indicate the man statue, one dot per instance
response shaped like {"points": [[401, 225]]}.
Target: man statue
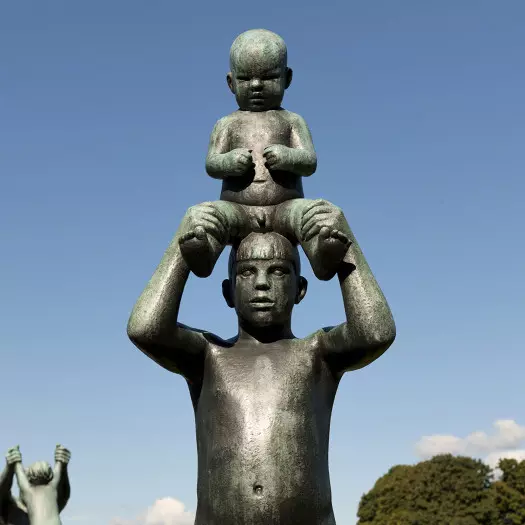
{"points": [[263, 399], [44, 491]]}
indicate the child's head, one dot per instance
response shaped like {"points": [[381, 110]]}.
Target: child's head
{"points": [[264, 280], [259, 74], [39, 473]]}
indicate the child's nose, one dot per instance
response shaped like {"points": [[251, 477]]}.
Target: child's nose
{"points": [[256, 83]]}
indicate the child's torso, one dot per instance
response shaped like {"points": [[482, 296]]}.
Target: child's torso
{"points": [[43, 507], [256, 131]]}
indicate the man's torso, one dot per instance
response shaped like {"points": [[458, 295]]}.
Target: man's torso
{"points": [[263, 420]]}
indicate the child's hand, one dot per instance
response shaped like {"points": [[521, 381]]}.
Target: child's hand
{"points": [[241, 161], [277, 157], [13, 456], [62, 454]]}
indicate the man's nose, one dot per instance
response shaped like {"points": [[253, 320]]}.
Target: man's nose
{"points": [[256, 83], [262, 282]]}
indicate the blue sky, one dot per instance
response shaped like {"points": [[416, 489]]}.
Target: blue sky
{"points": [[417, 114]]}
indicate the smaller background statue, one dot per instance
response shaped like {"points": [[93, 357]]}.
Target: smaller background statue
{"points": [[44, 491]]}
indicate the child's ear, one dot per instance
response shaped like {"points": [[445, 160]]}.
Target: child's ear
{"points": [[302, 286], [229, 80], [227, 292], [289, 75]]}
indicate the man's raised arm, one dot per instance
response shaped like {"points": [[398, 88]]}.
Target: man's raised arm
{"points": [[153, 326], [369, 329]]}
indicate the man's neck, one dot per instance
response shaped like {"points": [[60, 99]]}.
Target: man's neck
{"points": [[266, 334]]}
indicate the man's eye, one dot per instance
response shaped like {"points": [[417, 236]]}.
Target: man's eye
{"points": [[279, 272], [246, 273]]}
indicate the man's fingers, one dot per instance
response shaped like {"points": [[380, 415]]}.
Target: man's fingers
{"points": [[212, 229], [319, 209], [315, 219]]}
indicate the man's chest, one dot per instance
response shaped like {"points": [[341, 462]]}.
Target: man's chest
{"points": [[274, 377]]}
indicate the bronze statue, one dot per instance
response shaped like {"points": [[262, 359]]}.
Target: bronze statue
{"points": [[44, 491], [262, 399]]}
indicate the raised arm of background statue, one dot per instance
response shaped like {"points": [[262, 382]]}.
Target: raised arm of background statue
{"points": [[369, 329], [153, 325], [61, 476], [6, 483]]}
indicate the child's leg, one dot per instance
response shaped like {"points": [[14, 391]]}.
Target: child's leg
{"points": [[207, 228], [321, 229]]}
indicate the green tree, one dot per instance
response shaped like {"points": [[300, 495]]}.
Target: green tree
{"points": [[443, 490], [509, 493]]}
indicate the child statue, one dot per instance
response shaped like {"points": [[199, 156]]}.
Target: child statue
{"points": [[44, 491], [261, 152]]}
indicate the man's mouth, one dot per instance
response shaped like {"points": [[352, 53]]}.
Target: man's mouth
{"points": [[262, 303]]}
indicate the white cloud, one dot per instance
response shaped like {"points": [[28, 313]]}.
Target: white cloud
{"points": [[165, 511], [505, 442]]}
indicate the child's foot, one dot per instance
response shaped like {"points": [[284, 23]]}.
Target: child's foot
{"points": [[199, 252], [329, 249]]}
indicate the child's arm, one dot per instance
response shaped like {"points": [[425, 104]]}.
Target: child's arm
{"points": [[153, 325], [61, 476], [369, 329], [300, 157], [221, 162], [21, 478]]}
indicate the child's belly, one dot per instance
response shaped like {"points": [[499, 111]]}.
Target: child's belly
{"points": [[261, 187]]}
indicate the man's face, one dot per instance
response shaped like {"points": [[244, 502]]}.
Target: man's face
{"points": [[265, 291], [258, 81]]}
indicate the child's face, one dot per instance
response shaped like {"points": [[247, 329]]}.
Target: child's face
{"points": [[258, 81]]}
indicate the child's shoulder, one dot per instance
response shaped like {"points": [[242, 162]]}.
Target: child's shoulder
{"points": [[229, 119], [290, 116]]}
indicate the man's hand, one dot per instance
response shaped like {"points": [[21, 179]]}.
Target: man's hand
{"points": [[204, 218], [240, 161], [322, 215], [62, 455], [277, 157], [13, 456]]}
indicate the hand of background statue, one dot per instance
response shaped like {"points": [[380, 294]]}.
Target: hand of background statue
{"points": [[62, 454], [240, 161], [13, 456], [277, 157]]}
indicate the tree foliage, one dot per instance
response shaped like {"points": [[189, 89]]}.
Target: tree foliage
{"points": [[447, 489]]}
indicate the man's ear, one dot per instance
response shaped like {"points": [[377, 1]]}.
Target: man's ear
{"points": [[227, 292], [289, 75], [229, 80], [302, 286]]}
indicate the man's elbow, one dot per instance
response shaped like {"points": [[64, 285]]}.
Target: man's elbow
{"points": [[138, 332]]}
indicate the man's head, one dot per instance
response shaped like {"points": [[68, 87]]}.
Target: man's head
{"points": [[39, 473], [258, 73], [264, 280]]}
